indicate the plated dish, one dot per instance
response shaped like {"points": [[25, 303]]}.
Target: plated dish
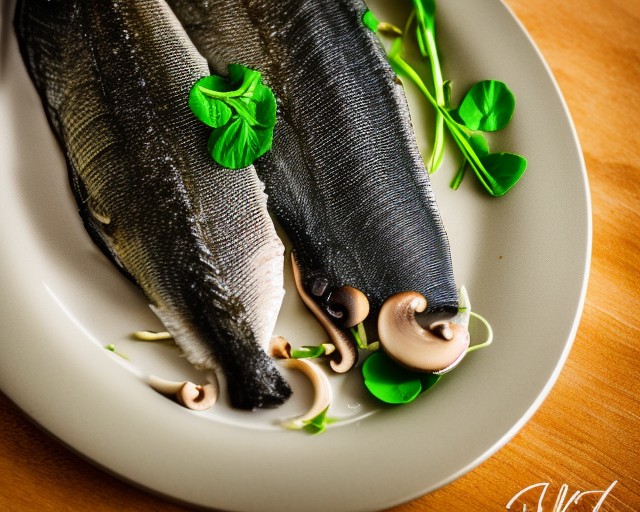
{"points": [[525, 258]]}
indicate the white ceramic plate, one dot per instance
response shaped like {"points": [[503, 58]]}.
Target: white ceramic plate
{"points": [[524, 259]]}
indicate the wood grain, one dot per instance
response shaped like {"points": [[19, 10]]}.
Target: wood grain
{"points": [[586, 434]]}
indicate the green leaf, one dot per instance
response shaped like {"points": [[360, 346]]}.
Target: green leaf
{"points": [[318, 424], [245, 109], [370, 21], [234, 145], [266, 108], [307, 351], [428, 380], [388, 381], [212, 112], [479, 144], [480, 147], [487, 106], [504, 170], [242, 112]]}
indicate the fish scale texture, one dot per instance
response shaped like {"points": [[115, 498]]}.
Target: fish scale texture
{"points": [[114, 78], [344, 176]]}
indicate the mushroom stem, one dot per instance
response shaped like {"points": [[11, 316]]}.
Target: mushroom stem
{"points": [[437, 349], [196, 397], [346, 354], [321, 390]]}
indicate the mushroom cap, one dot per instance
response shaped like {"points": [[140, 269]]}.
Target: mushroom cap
{"points": [[197, 397], [436, 350], [349, 305]]}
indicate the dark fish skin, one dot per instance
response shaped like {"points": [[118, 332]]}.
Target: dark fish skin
{"points": [[114, 79], [344, 177]]}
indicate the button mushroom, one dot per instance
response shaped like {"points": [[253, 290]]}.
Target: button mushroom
{"points": [[346, 354], [192, 396], [437, 349], [348, 305]]}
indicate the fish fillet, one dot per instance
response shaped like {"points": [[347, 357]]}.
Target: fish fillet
{"points": [[344, 177], [114, 78]]}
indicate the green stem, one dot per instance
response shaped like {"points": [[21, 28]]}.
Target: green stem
{"points": [[249, 82], [242, 110], [487, 326], [457, 131], [455, 183], [431, 50]]}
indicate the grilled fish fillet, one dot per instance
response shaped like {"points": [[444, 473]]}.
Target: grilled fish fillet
{"points": [[344, 177], [114, 78]]}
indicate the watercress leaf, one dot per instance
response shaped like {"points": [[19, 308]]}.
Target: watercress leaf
{"points": [[487, 106], [370, 21], [479, 144], [238, 74], [318, 424], [479, 147], [504, 169], [244, 109], [428, 380], [265, 140], [243, 78], [234, 145], [213, 112], [214, 83], [266, 107], [388, 381]]}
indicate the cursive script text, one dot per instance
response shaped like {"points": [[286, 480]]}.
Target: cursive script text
{"points": [[560, 505]]}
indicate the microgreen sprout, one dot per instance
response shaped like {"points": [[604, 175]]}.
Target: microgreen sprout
{"points": [[487, 106], [112, 348], [242, 112], [487, 326], [360, 336], [316, 425]]}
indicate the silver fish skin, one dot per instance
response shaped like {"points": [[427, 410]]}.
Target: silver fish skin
{"points": [[344, 177], [114, 78]]}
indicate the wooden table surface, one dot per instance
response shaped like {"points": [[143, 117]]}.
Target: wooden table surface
{"points": [[587, 433]]}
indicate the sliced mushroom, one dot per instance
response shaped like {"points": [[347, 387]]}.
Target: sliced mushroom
{"points": [[192, 396], [321, 391], [152, 335], [437, 349], [279, 348], [348, 305], [346, 353]]}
